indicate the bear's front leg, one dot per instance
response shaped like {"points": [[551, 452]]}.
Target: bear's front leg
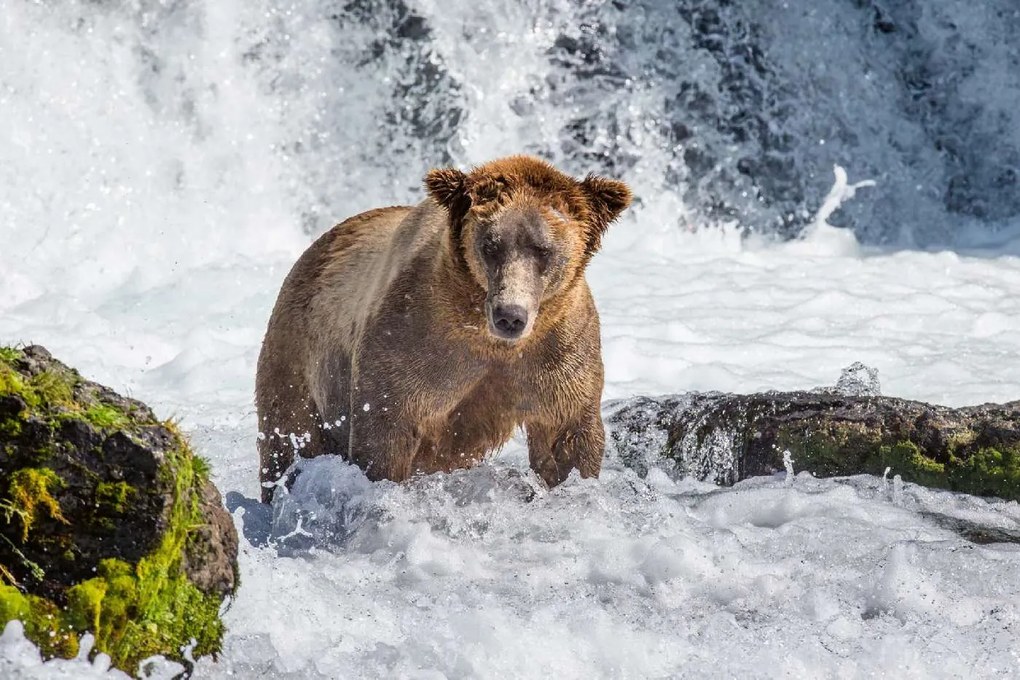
{"points": [[554, 449], [384, 437]]}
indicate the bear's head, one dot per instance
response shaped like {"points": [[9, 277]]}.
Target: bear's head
{"points": [[525, 232]]}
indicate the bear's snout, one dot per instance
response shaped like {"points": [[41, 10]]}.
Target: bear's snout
{"points": [[509, 321]]}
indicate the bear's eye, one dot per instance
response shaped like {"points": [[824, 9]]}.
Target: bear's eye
{"points": [[490, 248], [543, 252]]}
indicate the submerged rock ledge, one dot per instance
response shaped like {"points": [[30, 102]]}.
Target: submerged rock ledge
{"points": [[109, 523], [725, 438]]}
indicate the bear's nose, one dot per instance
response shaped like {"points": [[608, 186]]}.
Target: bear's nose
{"points": [[510, 320]]}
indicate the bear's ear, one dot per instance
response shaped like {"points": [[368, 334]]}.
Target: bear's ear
{"points": [[448, 188], [487, 189], [607, 198]]}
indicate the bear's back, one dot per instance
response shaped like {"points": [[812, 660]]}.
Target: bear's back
{"points": [[344, 277]]}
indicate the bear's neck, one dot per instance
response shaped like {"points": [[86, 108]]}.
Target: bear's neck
{"points": [[463, 300]]}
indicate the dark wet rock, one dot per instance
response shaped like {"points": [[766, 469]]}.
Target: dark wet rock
{"points": [[724, 438], [210, 556]]}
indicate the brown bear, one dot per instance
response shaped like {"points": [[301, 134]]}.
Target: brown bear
{"points": [[413, 340]]}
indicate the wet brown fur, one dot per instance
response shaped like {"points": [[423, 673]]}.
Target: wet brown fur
{"points": [[386, 309]]}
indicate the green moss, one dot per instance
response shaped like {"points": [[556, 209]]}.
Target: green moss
{"points": [[113, 497], [985, 472], [839, 449], [154, 608], [988, 472], [30, 491], [135, 611], [104, 605], [44, 623], [9, 355], [84, 603], [54, 390], [10, 429], [960, 442], [105, 416], [848, 448], [201, 467], [11, 382], [47, 389], [905, 459]]}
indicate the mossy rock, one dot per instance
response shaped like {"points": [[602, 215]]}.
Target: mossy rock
{"points": [[109, 523], [728, 437]]}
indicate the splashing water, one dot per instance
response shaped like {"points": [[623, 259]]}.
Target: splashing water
{"points": [[858, 380], [714, 112]]}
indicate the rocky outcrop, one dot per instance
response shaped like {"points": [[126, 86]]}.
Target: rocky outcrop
{"points": [[727, 437], [109, 523]]}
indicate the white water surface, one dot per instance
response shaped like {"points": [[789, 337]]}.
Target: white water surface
{"points": [[144, 235]]}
